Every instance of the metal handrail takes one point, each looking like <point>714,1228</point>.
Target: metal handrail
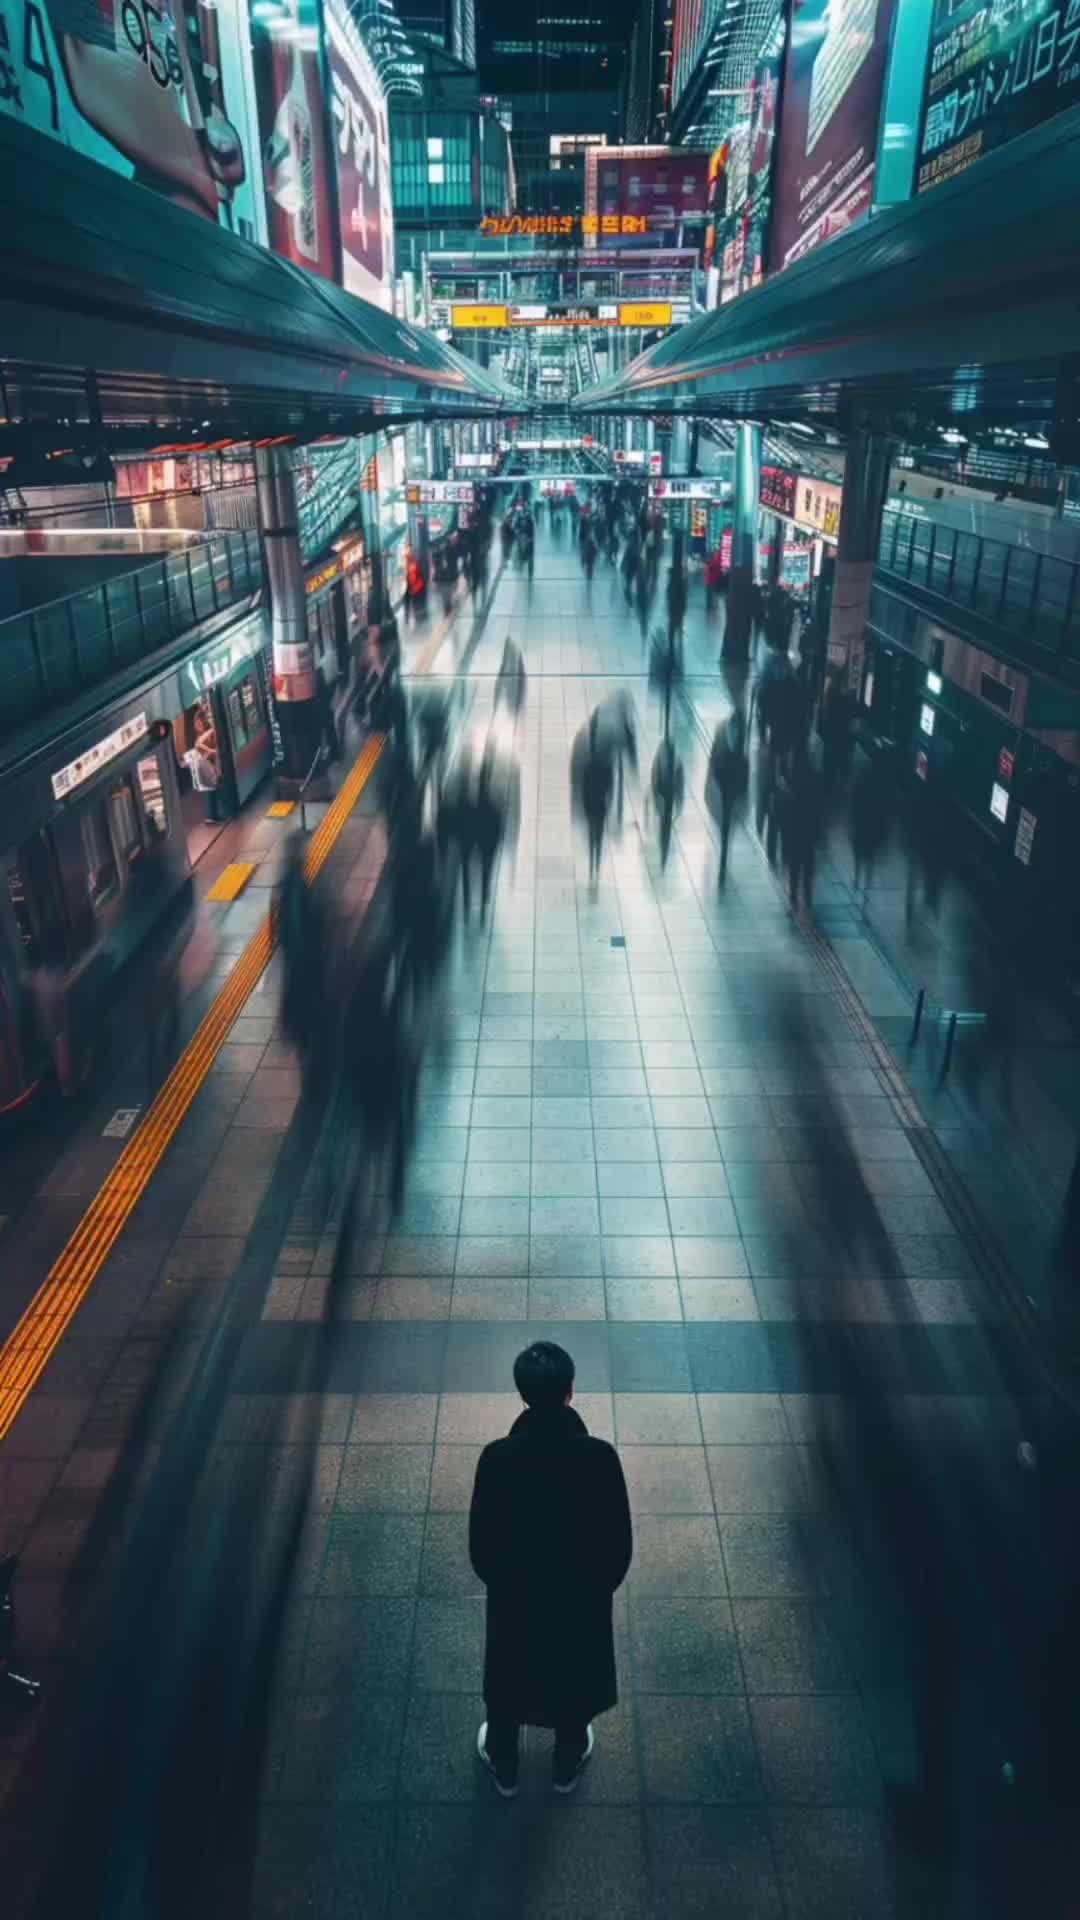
<point>1045,620</point>
<point>59,649</point>
<point>320,760</point>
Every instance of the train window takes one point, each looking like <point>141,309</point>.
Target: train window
<point>98,852</point>
<point>153,795</point>
<point>127,833</point>
<point>37,901</point>
<point>252,705</point>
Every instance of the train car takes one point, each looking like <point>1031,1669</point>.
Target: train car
<point>77,822</point>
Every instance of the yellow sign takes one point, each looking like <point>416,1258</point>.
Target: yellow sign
<point>656,313</point>
<point>316,581</point>
<point>478,316</point>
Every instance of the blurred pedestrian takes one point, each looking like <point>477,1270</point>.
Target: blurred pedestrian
<point>836,717</point>
<point>510,681</point>
<point>597,783</point>
<point>377,1075</point>
<point>869,821</point>
<point>676,607</point>
<point>550,1537</point>
<point>303,936</point>
<point>726,781</point>
<point>668,788</point>
<point>801,828</point>
<point>488,823</point>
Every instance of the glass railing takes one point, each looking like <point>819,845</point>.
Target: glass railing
<point>1033,595</point>
<point>55,652</point>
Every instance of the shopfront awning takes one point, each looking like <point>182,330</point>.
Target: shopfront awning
<point>121,310</point>
<point>962,303</point>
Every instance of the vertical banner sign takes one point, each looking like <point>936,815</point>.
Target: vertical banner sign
<point>158,90</point>
<point>297,171</point>
<point>362,158</point>
<point>834,74</point>
<point>996,68</point>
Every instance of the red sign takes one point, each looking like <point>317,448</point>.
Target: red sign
<point>778,490</point>
<point>1006,763</point>
<point>362,156</point>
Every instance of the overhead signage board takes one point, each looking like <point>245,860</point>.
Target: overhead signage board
<point>565,225</point>
<point>664,186</point>
<point>645,313</point>
<point>777,490</point>
<point>77,772</point>
<point>996,69</point>
<point>467,315</point>
<point>834,74</point>
<point>483,460</point>
<point>459,493</point>
<point>629,456</point>
<point>698,488</point>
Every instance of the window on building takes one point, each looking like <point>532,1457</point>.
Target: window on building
<point>434,149</point>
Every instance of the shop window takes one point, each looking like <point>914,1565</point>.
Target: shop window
<point>152,789</point>
<point>97,850</point>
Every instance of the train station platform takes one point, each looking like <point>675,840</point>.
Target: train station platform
<point>663,1130</point>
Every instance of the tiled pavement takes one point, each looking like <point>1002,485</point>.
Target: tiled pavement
<point>655,1137</point>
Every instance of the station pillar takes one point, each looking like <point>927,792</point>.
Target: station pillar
<point>294,670</point>
<point>680,445</point>
<point>740,599</point>
<point>866,481</point>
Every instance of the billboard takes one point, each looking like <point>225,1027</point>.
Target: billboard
<point>996,69</point>
<point>661,185</point>
<point>744,233</point>
<point>362,158</point>
<point>158,90</point>
<point>297,166</point>
<point>834,74</point>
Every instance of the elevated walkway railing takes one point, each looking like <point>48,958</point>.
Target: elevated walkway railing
<point>1034,595</point>
<point>54,652</point>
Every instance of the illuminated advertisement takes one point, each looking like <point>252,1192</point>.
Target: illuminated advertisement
<point>996,68</point>
<point>361,138</point>
<point>834,72</point>
<point>503,225</point>
<point>158,90</point>
<point>777,491</point>
<point>663,186</point>
<point>817,505</point>
<point>297,165</point>
<point>744,234</point>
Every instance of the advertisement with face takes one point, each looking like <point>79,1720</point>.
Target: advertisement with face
<point>834,73</point>
<point>296,163</point>
<point>362,158</point>
<point>996,68</point>
<point>159,90</point>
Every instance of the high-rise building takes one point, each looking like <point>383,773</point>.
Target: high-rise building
<point>450,24</point>
<point>560,65</point>
<point>647,113</point>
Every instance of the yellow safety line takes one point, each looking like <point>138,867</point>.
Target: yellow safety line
<point>30,1346</point>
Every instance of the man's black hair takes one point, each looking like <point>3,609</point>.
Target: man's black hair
<point>544,1374</point>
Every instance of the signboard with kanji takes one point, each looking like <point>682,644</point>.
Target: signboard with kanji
<point>996,68</point>
<point>567,225</point>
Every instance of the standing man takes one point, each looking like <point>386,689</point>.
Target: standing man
<point>550,1537</point>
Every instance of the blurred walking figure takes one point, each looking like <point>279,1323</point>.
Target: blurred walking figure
<point>596,785</point>
<point>616,735</point>
<point>415,588</point>
<point>869,821</point>
<point>550,1537</point>
<point>511,680</point>
<point>630,567</point>
<point>676,608</point>
<point>801,828</point>
<point>303,935</point>
<point>159,974</point>
<point>726,781</point>
<point>588,551</point>
<point>668,790</point>
<point>489,822</point>
<point>999,1031</point>
<point>926,858</point>
<point>378,1083</point>
<point>836,714</point>
<point>433,731</point>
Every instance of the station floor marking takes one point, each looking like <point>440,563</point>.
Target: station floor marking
<point>281,809</point>
<point>232,880</point>
<point>29,1348</point>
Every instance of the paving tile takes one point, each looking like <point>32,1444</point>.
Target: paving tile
<point>701,1740</point>
<point>496,1179</point>
<point>386,1477</point>
<point>556,1256</point>
<point>757,1479</point>
<point>715,1860</point>
<point>354,1644</point>
<point>576,1299</point>
<point>684,1646</point>
<point>677,1556</point>
<point>449,1646</point>
<point>771,1558</point>
<point>372,1553</point>
<point>835,1863</point>
<point>445,1570</point>
<point>564,1215</point>
<point>742,1419</point>
<point>492,1257</point>
<point>657,1419</point>
<point>666,1479</point>
<point>501,1215</point>
<point>403,1297</point>
<point>490,1299</point>
<point>648,1359</point>
<point>789,1647</point>
<point>816,1751</point>
<point>343,1748</point>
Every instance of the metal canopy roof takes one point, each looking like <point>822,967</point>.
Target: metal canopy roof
<point>963,302</point>
<point>120,310</point>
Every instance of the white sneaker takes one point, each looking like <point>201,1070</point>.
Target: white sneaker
<point>508,1788</point>
<point>568,1785</point>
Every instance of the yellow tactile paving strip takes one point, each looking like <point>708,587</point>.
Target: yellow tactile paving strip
<point>232,880</point>
<point>29,1348</point>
